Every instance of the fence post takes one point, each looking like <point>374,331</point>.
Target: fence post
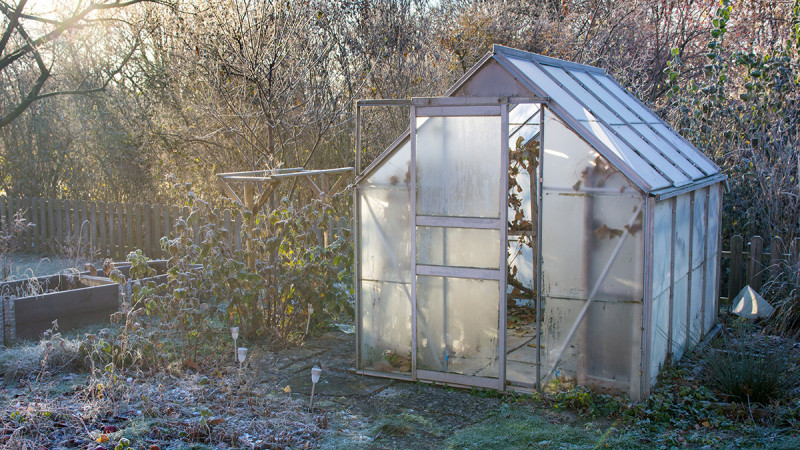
<point>25,237</point>
<point>754,264</point>
<point>237,230</point>
<point>67,214</point>
<point>85,238</point>
<point>42,224</point>
<point>111,213</point>
<point>735,276</point>
<point>775,256</point>
<point>59,220</point>
<point>93,228</point>
<point>148,230</point>
<point>129,245</point>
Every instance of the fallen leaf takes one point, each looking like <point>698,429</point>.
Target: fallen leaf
<point>706,424</point>
<point>287,389</point>
<point>190,364</point>
<point>216,421</point>
<point>102,439</point>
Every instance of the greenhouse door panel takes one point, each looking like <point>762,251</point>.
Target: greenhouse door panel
<point>460,159</point>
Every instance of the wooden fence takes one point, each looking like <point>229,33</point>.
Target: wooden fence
<point>112,229</point>
<point>750,263</point>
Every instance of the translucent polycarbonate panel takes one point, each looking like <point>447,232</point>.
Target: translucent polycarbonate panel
<point>522,113</point>
<point>712,261</point>
<point>458,167</point>
<point>668,151</point>
<point>699,232</point>
<point>602,348</point>
<point>394,171</point>
<point>687,150</point>
<point>458,325</point>
<point>580,236</point>
<point>627,155</point>
<point>659,334</point>
<point>552,89</point>
<point>605,96</point>
<point>459,247</point>
<point>385,234</point>
<point>652,155</point>
<point>520,262</point>
<point>570,162</point>
<point>662,283</point>
<point>698,265</point>
<point>385,326</point>
<point>629,100</point>
<point>583,96</point>
<point>696,312</point>
<point>662,242</point>
<point>680,294</point>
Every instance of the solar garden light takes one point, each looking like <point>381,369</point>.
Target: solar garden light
<point>235,336</point>
<point>308,323</point>
<point>315,373</point>
<point>241,354</point>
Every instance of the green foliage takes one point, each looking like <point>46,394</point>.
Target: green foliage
<point>743,112</point>
<point>269,289</point>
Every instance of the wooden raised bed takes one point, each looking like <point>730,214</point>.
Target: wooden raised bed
<point>72,300</point>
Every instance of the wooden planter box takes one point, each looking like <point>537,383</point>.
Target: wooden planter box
<point>72,300</point>
<point>160,278</point>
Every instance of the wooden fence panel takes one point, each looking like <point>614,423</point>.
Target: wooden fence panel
<point>735,278</point>
<point>114,229</point>
<point>42,224</point>
<point>93,226</point>
<point>754,264</point>
<point>112,214</point>
<point>776,251</point>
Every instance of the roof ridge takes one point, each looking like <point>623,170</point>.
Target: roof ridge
<point>546,60</point>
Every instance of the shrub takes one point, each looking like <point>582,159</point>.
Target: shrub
<point>752,373</point>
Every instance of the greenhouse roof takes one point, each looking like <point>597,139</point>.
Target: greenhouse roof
<point>617,124</point>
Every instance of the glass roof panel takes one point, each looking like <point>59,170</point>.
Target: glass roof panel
<point>552,89</point>
<point>606,97</point>
<point>651,155</point>
<point>686,149</point>
<point>669,151</point>
<point>522,113</point>
<point>629,100</point>
<point>582,94</point>
<point>628,156</point>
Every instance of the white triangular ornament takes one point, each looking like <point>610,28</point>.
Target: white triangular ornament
<point>750,305</point>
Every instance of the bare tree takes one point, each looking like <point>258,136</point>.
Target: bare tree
<point>29,51</point>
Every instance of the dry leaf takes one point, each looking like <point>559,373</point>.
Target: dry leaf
<point>287,389</point>
<point>190,364</point>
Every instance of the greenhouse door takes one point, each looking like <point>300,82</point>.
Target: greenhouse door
<point>459,163</point>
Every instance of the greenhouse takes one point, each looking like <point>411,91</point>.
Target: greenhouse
<point>535,223</point>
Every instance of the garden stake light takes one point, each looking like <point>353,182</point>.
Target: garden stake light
<point>308,323</point>
<point>315,373</point>
<point>235,336</point>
